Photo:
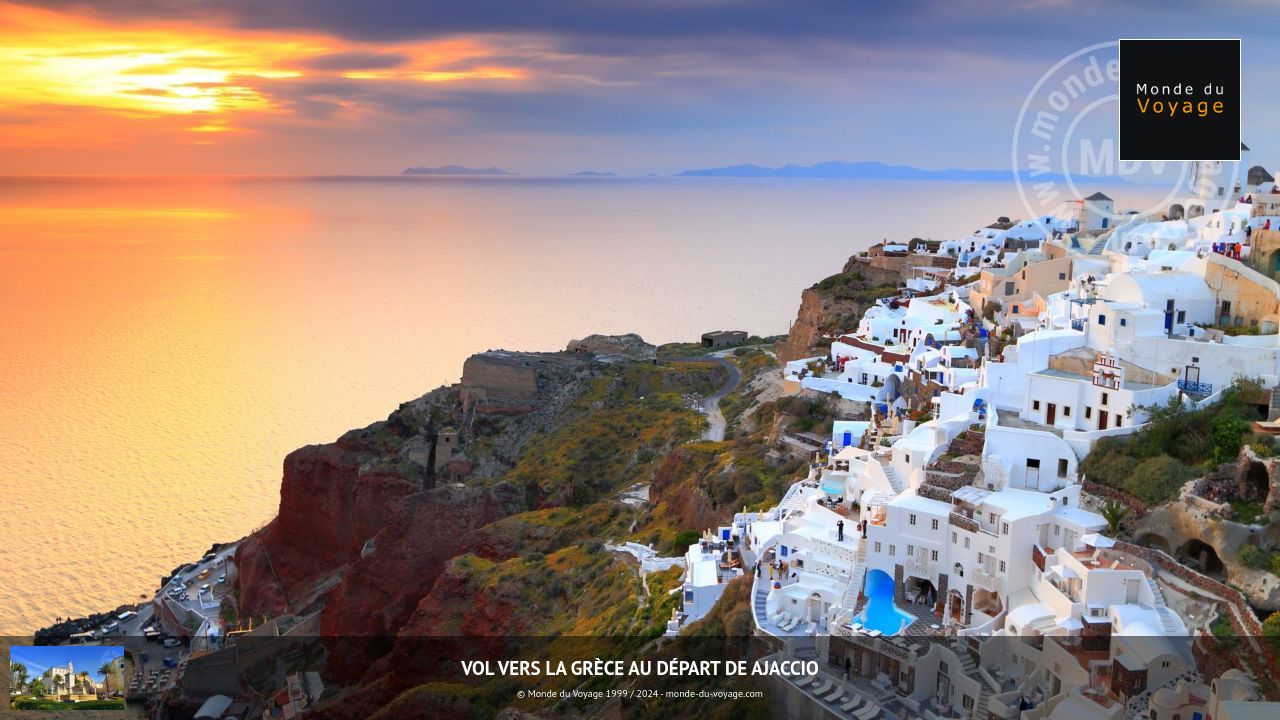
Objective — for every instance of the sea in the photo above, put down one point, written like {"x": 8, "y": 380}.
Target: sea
{"x": 166, "y": 341}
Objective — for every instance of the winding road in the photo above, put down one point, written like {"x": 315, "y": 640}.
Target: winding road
{"x": 711, "y": 403}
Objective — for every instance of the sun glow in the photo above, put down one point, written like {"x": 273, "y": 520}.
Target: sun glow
{"x": 55, "y": 62}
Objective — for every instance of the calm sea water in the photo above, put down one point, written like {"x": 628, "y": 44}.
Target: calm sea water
{"x": 165, "y": 342}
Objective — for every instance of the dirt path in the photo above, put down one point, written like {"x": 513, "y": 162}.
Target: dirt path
{"x": 711, "y": 403}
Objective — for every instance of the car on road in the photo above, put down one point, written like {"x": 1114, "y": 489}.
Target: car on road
{"x": 222, "y": 578}
{"x": 206, "y": 588}
{"x": 171, "y": 642}
{"x": 203, "y": 574}
{"x": 170, "y": 663}
{"x": 110, "y": 627}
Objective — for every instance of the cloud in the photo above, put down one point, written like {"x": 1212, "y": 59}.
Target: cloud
{"x": 344, "y": 61}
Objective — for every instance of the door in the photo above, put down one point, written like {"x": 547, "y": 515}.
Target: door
{"x": 1102, "y": 419}
{"x": 1051, "y": 414}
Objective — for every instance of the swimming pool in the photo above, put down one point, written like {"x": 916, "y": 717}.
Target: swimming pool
{"x": 833, "y": 487}
{"x": 880, "y": 613}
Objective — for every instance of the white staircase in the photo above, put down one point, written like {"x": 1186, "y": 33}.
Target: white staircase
{"x": 849, "y": 603}
{"x": 894, "y": 481}
{"x": 1156, "y": 593}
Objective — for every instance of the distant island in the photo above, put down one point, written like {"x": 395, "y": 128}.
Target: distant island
{"x": 454, "y": 170}
{"x": 591, "y": 173}
{"x": 870, "y": 170}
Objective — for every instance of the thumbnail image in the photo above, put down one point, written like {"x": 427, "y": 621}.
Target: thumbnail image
{"x": 60, "y": 677}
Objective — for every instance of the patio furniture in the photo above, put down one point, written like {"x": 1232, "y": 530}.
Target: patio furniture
{"x": 868, "y": 712}
{"x": 855, "y": 702}
{"x": 825, "y": 686}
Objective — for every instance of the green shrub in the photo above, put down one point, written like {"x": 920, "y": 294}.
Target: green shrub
{"x": 1157, "y": 479}
{"x": 683, "y": 540}
{"x": 1254, "y": 557}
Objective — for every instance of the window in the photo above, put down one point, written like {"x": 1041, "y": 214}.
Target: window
{"x": 953, "y": 537}
{"x": 893, "y": 550}
{"x": 1057, "y": 530}
{"x": 1102, "y": 319}
{"x": 1004, "y": 528}
{"x": 966, "y": 543}
{"x": 1123, "y": 322}
{"x": 911, "y": 551}
{"x": 1105, "y": 397}
{"x": 1066, "y": 411}
{"x": 1015, "y": 310}
{"x": 1062, "y": 467}
{"x": 1118, "y": 419}
{"x": 1002, "y": 566}
{"x": 1088, "y": 412}
{"x": 877, "y": 546}
{"x": 1062, "y": 276}
{"x": 912, "y": 519}
{"x": 1033, "y": 463}
{"x": 933, "y": 555}
{"x": 1008, "y": 288}
{"x": 1035, "y": 405}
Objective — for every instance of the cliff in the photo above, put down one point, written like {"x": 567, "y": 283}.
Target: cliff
{"x": 835, "y": 305}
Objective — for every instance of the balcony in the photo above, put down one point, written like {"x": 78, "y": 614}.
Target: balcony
{"x": 964, "y": 523}
{"x": 1195, "y": 388}
{"x": 986, "y": 580}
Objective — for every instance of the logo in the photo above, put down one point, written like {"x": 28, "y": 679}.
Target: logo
{"x": 1066, "y": 148}
{"x": 1180, "y": 100}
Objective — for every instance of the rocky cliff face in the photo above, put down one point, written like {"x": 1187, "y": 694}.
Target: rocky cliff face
{"x": 835, "y": 305}
{"x": 380, "y": 591}
{"x": 333, "y": 498}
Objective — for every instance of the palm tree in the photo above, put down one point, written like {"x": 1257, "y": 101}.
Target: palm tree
{"x": 21, "y": 673}
{"x": 108, "y": 673}
{"x": 36, "y": 688}
{"x": 1115, "y": 513}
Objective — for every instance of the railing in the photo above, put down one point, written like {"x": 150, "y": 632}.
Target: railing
{"x": 1078, "y": 324}
{"x": 987, "y": 580}
{"x": 964, "y": 523}
{"x": 1196, "y": 388}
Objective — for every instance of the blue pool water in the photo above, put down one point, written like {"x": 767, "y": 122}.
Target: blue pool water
{"x": 880, "y": 613}
{"x": 833, "y": 487}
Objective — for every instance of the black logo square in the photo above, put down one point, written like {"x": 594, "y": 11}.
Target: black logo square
{"x": 1180, "y": 99}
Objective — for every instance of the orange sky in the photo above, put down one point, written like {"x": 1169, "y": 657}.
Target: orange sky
{"x": 75, "y": 83}
{"x": 552, "y": 86}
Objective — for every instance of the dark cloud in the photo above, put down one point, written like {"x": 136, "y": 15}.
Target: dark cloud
{"x": 631, "y": 27}
{"x": 340, "y": 62}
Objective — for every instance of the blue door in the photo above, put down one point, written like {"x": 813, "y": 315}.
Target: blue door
{"x": 848, "y": 438}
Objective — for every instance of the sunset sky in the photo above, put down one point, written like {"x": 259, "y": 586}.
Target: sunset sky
{"x": 337, "y": 86}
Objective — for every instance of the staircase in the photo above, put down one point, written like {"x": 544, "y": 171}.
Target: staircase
{"x": 1156, "y": 592}
{"x": 980, "y": 703}
{"x": 851, "y": 591}
{"x": 762, "y": 615}
{"x": 894, "y": 481}
{"x": 1168, "y": 622}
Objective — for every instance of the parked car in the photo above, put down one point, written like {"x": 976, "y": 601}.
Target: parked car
{"x": 170, "y": 663}
{"x": 222, "y": 578}
{"x": 172, "y": 642}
